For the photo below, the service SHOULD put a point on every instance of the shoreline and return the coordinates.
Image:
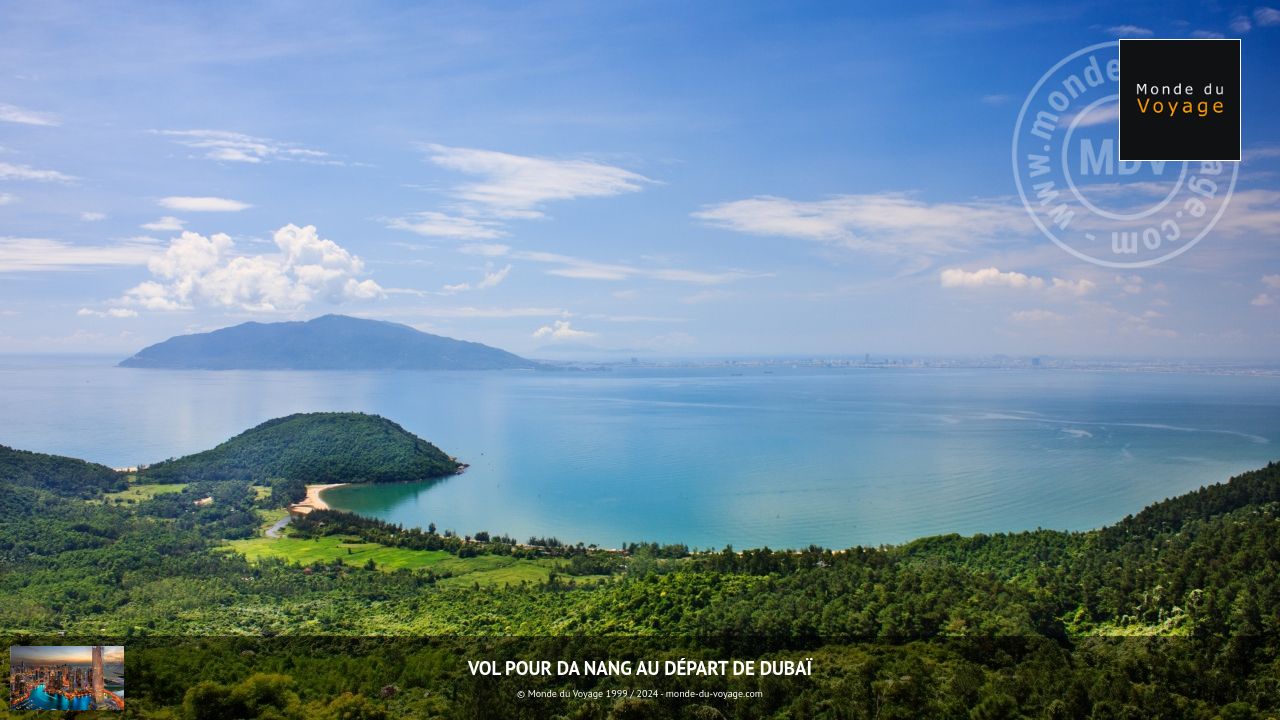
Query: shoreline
(313, 500)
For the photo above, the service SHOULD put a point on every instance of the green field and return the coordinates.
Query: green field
(483, 569)
(140, 493)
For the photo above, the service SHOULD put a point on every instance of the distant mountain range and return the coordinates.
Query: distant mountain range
(330, 342)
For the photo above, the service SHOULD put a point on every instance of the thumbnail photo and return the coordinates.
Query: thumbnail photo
(66, 677)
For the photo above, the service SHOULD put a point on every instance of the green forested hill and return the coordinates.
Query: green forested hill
(313, 448)
(61, 475)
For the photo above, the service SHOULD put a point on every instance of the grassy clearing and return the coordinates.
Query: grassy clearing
(484, 569)
(139, 493)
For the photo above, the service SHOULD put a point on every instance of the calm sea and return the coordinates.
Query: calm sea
(706, 457)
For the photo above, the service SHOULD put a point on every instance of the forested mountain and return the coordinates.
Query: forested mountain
(330, 342)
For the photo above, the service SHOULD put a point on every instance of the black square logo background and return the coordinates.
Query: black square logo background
(1197, 63)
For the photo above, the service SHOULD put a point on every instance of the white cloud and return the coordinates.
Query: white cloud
(1271, 281)
(880, 222)
(437, 224)
(115, 312)
(1262, 152)
(6, 199)
(1262, 300)
(561, 330)
(1266, 16)
(1036, 317)
(994, 277)
(491, 278)
(24, 172)
(237, 147)
(168, 223)
(1240, 24)
(485, 249)
(1072, 287)
(581, 269)
(1131, 284)
(198, 270)
(1105, 114)
(1130, 31)
(988, 277)
(92, 216)
(996, 99)
(42, 255)
(15, 114)
(1207, 35)
(489, 313)
(203, 204)
(1251, 211)
(515, 186)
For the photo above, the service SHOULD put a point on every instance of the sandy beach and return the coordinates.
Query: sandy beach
(313, 501)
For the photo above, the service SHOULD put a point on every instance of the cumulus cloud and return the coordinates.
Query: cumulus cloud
(238, 147)
(24, 172)
(879, 222)
(994, 277)
(1262, 300)
(168, 223)
(1240, 24)
(988, 277)
(199, 270)
(43, 255)
(6, 199)
(15, 114)
(561, 330)
(92, 216)
(202, 204)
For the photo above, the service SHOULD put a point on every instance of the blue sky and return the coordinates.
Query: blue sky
(560, 179)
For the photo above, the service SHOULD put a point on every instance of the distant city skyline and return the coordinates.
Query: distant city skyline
(63, 654)
(570, 180)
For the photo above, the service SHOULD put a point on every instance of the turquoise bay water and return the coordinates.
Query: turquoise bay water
(705, 456)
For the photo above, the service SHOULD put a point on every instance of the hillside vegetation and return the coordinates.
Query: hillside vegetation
(312, 448)
(1171, 613)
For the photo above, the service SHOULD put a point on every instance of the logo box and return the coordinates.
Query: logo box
(1180, 100)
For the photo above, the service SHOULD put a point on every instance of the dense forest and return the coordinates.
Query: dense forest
(1171, 613)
